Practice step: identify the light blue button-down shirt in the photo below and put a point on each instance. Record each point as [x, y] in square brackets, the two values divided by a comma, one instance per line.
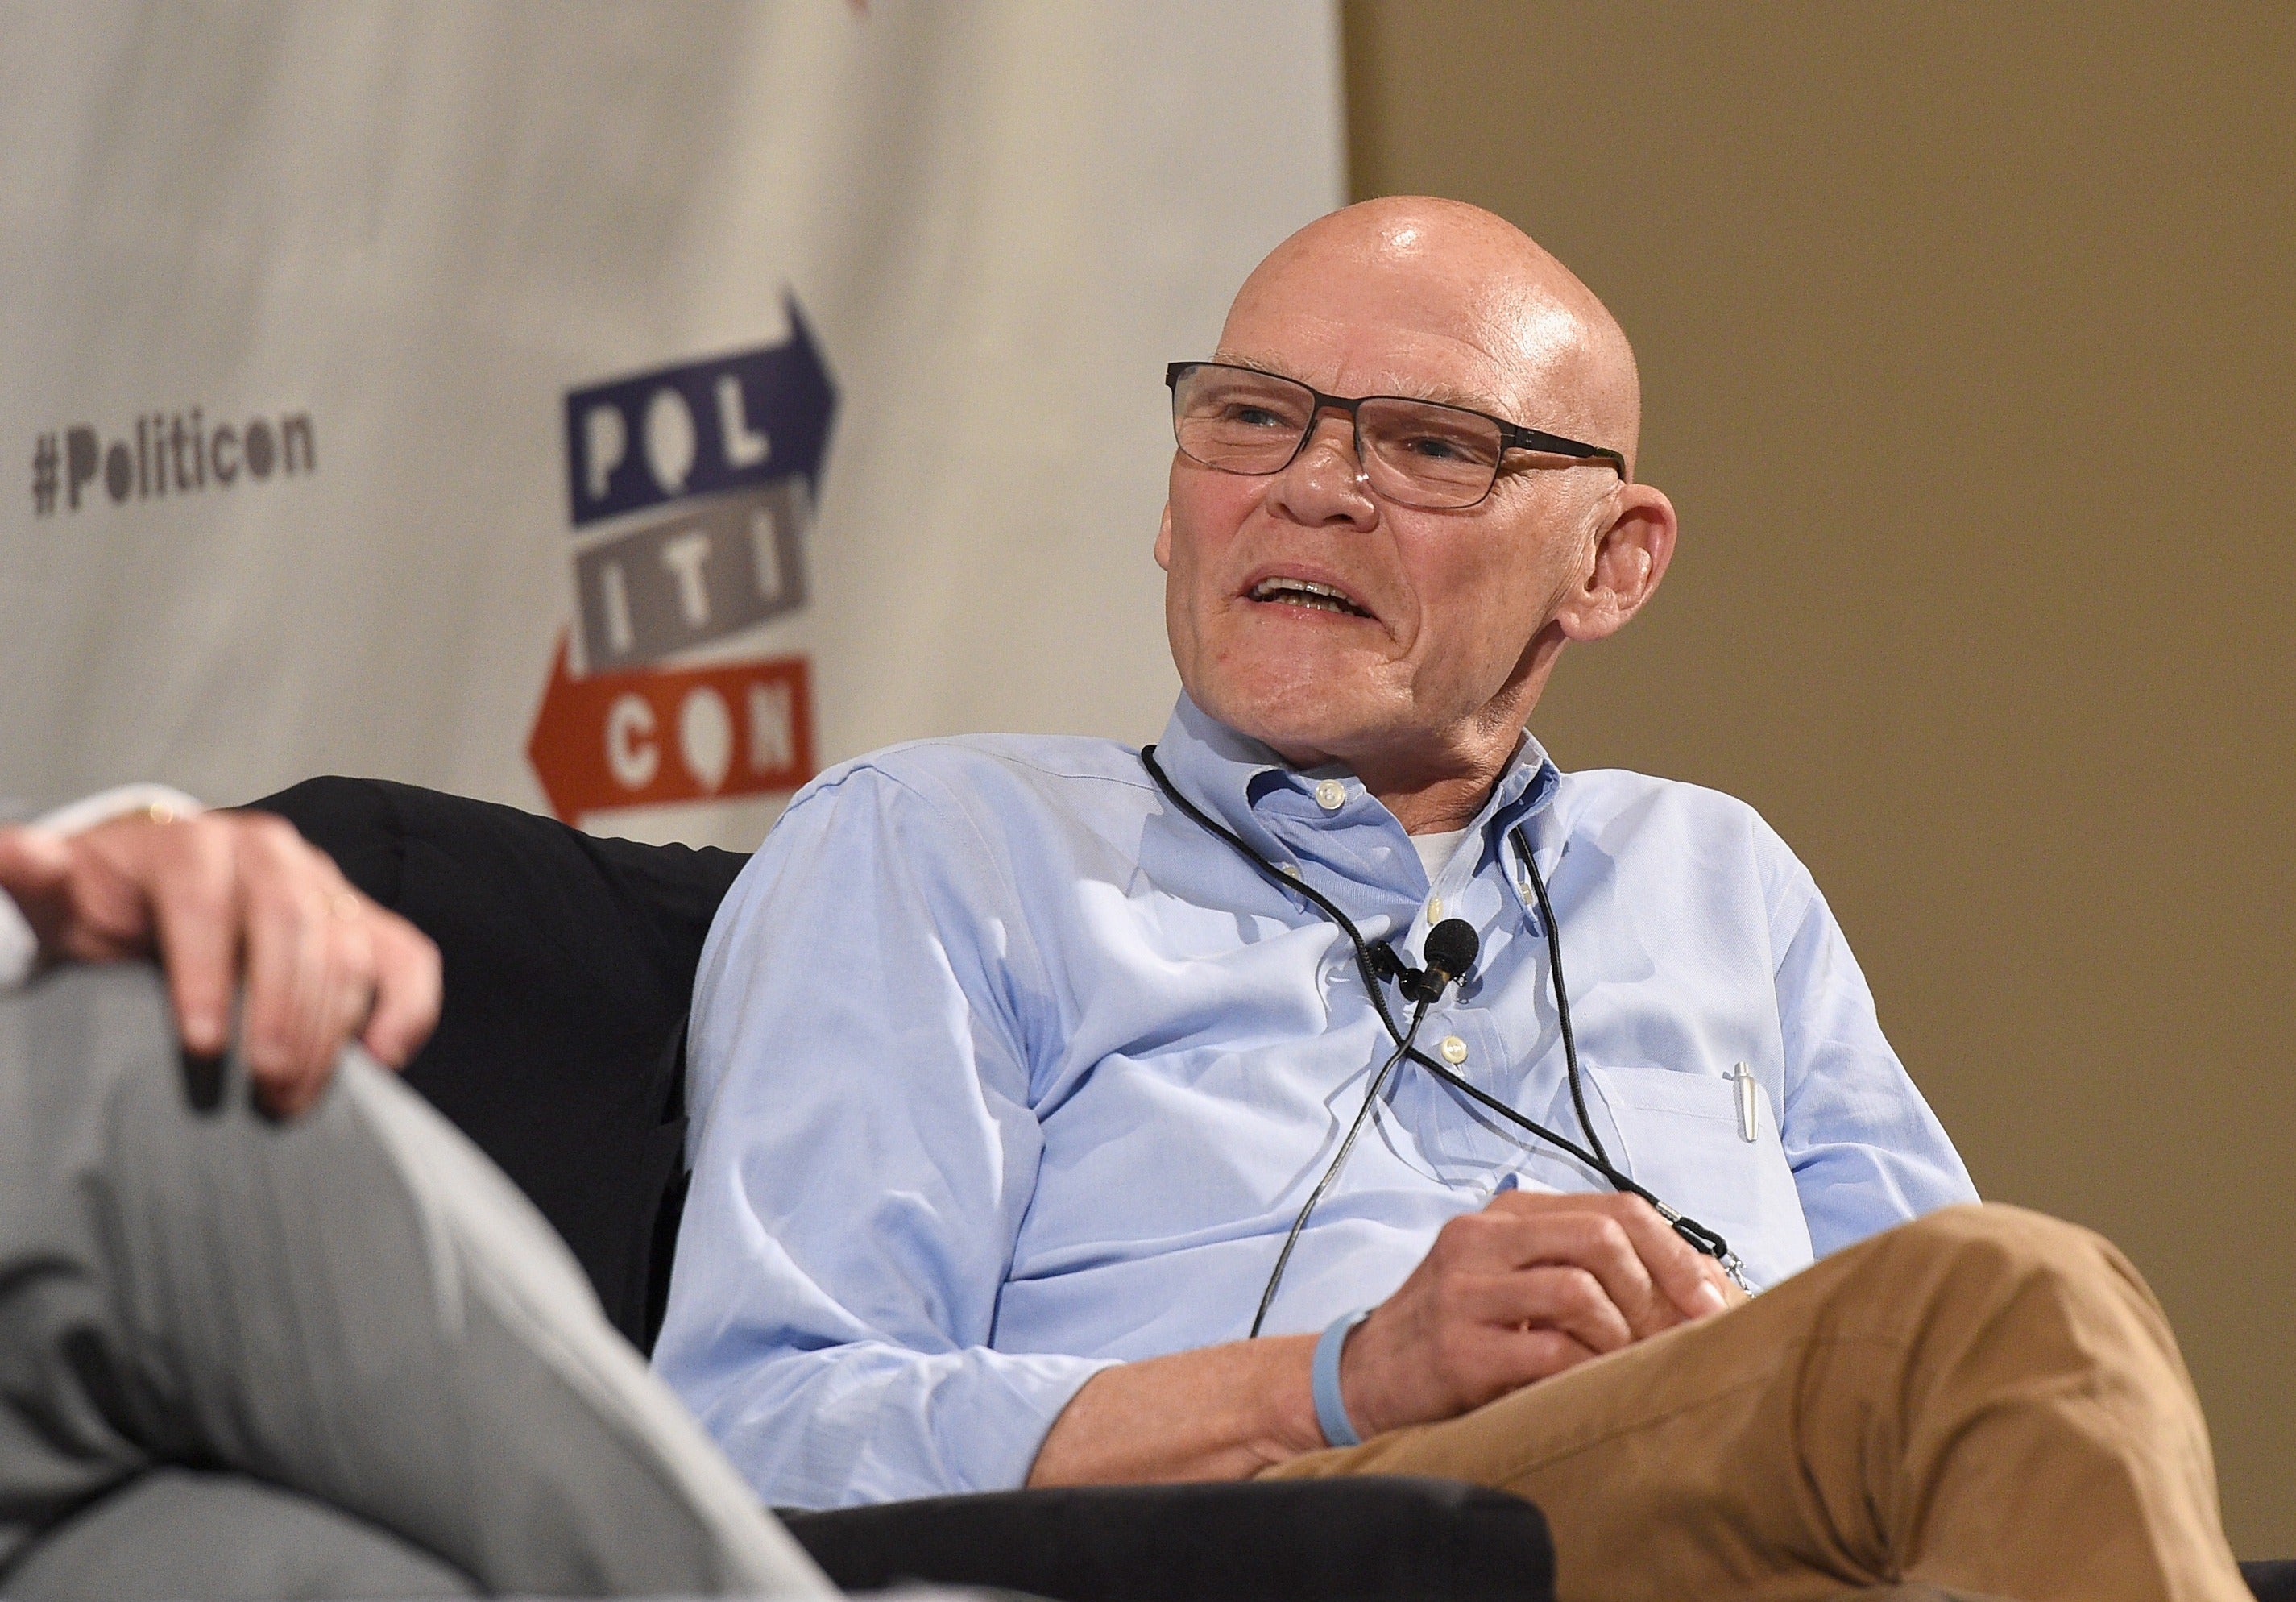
[1003, 1070]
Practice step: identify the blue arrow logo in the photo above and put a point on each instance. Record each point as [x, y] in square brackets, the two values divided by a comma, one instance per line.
[733, 422]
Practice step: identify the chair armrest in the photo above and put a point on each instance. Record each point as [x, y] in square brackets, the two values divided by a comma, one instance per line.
[2271, 1581]
[1373, 1539]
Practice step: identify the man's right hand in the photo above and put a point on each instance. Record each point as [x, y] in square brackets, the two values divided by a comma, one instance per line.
[1532, 1285]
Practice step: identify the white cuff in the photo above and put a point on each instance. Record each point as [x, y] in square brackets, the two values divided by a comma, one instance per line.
[19, 948]
[118, 801]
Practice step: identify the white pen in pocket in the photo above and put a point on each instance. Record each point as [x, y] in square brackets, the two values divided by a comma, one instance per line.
[1750, 1106]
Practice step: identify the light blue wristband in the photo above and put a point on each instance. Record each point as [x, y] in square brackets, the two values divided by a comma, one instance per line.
[1330, 1411]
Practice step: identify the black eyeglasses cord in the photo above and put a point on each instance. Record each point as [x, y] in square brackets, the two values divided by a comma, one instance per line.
[1597, 1160]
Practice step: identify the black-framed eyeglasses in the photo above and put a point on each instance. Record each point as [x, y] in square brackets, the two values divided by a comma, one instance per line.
[1415, 453]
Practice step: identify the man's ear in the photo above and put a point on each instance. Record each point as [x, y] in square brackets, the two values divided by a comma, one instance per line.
[1164, 540]
[1630, 556]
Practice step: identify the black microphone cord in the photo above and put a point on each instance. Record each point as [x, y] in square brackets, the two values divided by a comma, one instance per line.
[1597, 1160]
[1363, 1116]
[1562, 997]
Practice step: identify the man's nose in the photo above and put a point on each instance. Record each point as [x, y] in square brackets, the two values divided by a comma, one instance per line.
[1325, 481]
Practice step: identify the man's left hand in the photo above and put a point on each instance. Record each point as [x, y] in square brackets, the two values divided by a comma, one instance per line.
[225, 897]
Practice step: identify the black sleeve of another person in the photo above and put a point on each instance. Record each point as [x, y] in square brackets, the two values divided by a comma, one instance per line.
[569, 969]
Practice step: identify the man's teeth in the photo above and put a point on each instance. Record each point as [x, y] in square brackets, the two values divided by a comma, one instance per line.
[1303, 592]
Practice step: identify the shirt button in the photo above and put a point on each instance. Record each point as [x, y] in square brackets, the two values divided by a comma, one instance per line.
[1434, 909]
[1454, 1050]
[1289, 870]
[1330, 796]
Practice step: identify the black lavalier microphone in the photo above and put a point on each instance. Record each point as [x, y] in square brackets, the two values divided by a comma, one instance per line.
[1449, 953]
[1377, 963]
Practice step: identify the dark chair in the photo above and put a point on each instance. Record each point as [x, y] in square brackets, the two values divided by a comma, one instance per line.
[568, 969]
[570, 966]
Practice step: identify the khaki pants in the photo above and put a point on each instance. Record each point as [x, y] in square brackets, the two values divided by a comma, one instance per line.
[1983, 1400]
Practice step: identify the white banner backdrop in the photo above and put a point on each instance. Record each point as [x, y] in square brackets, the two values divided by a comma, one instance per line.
[624, 408]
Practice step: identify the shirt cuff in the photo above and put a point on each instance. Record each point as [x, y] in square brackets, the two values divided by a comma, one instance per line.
[19, 948]
[81, 816]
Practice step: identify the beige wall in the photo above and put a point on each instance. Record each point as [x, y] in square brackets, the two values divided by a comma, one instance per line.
[1968, 337]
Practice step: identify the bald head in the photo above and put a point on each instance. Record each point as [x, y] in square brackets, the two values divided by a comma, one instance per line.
[1556, 359]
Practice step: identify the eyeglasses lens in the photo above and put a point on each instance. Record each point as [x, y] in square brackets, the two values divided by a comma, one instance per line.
[1424, 455]
[1240, 422]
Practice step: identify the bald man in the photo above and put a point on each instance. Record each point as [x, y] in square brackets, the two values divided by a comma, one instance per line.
[1336, 1086]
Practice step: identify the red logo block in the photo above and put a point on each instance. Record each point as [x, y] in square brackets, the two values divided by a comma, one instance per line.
[654, 737]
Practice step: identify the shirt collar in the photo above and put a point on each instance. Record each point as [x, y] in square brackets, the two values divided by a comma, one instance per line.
[1230, 775]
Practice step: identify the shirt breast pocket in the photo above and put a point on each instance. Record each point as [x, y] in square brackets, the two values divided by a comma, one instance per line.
[1681, 1140]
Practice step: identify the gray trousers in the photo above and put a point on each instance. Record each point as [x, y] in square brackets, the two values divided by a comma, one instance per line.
[342, 1356]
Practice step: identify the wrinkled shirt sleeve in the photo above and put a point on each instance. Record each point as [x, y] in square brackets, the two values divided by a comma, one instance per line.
[863, 1150]
[1867, 1151]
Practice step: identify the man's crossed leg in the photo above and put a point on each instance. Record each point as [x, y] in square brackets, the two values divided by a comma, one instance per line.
[336, 1355]
[1984, 1400]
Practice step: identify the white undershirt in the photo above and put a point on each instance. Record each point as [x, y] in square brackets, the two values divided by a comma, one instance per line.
[1436, 850]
